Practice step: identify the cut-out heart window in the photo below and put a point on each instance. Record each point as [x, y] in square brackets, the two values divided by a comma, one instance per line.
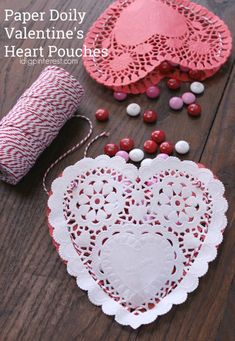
[139, 35]
[137, 239]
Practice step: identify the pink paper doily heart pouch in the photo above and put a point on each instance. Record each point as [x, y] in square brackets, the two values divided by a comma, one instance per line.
[139, 35]
[137, 239]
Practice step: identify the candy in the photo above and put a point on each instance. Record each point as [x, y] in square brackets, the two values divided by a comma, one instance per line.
[188, 98]
[197, 88]
[150, 147]
[173, 84]
[133, 109]
[165, 67]
[176, 103]
[111, 149]
[123, 154]
[127, 144]
[162, 156]
[136, 155]
[194, 109]
[166, 148]
[182, 147]
[150, 116]
[158, 136]
[153, 92]
[146, 162]
[102, 115]
[120, 96]
[196, 74]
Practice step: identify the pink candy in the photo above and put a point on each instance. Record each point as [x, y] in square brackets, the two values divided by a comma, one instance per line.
[120, 96]
[188, 98]
[176, 103]
[123, 154]
[162, 156]
[153, 92]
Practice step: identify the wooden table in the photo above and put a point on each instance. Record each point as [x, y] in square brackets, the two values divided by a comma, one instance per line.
[38, 300]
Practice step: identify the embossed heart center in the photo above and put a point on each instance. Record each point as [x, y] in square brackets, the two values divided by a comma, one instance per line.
[138, 267]
[140, 22]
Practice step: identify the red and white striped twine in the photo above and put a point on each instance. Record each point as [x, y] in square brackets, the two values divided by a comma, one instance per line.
[71, 150]
[35, 120]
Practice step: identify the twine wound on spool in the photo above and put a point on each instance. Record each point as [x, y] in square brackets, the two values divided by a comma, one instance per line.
[36, 119]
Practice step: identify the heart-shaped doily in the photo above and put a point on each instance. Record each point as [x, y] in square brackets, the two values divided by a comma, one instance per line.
[137, 239]
[139, 35]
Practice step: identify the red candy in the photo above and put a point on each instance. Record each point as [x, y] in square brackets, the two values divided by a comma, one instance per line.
[167, 148]
[173, 84]
[111, 149]
[150, 116]
[127, 144]
[196, 74]
[102, 115]
[165, 67]
[158, 136]
[150, 147]
[194, 109]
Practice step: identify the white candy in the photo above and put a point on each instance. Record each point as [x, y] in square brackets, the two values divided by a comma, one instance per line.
[182, 147]
[133, 109]
[146, 162]
[136, 155]
[197, 88]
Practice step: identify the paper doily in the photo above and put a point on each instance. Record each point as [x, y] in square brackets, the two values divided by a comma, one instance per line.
[137, 239]
[140, 35]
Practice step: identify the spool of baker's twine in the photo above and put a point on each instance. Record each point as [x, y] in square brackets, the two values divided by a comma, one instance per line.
[36, 119]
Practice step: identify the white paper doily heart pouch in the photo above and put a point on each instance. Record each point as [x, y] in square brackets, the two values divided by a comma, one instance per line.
[137, 239]
[140, 34]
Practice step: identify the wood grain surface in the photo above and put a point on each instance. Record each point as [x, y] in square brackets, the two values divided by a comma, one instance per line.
[38, 300]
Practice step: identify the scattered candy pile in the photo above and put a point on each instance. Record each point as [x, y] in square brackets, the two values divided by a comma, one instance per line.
[175, 103]
[126, 149]
[188, 98]
[158, 142]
